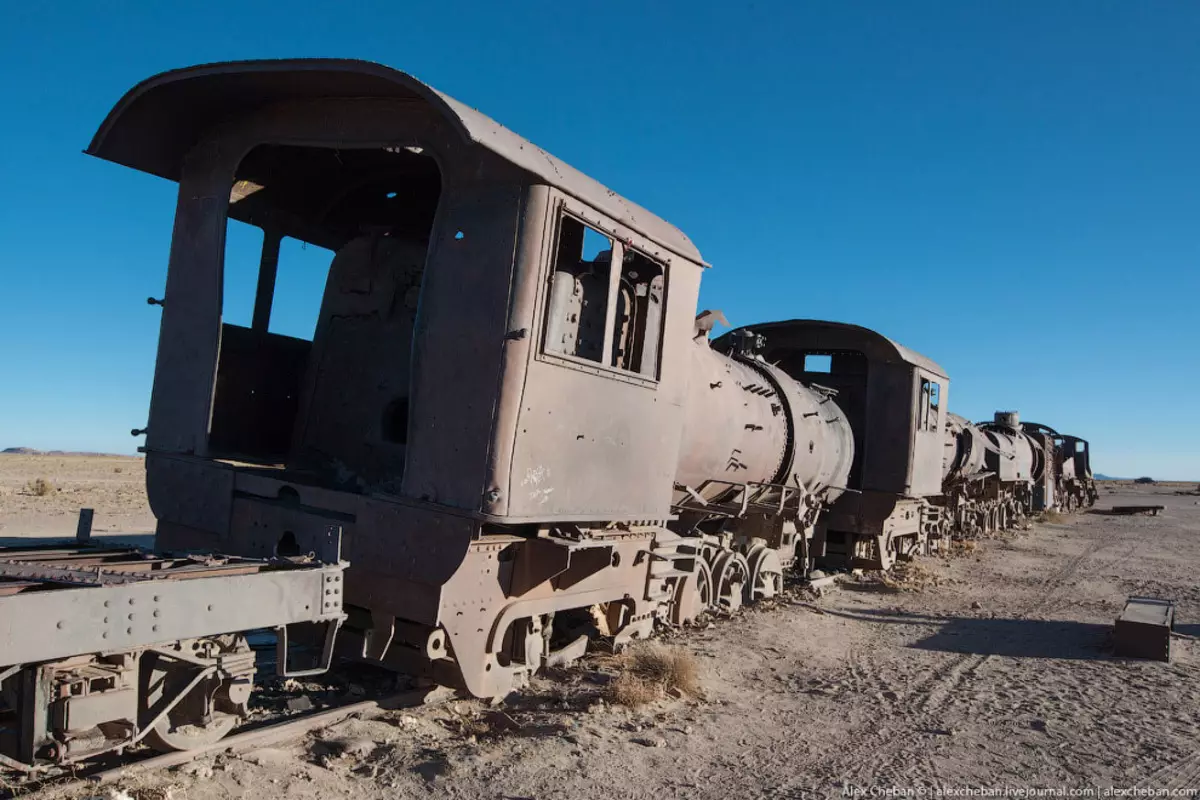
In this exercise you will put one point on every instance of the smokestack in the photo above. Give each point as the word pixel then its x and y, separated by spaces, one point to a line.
pixel 1008 419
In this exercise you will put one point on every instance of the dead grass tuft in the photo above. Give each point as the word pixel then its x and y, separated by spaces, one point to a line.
pixel 962 547
pixel 1050 517
pixel 629 690
pixel 39 487
pixel 652 671
pixel 136 789
pixel 909 576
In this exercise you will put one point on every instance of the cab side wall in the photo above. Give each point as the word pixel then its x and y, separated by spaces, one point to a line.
pixel 592 442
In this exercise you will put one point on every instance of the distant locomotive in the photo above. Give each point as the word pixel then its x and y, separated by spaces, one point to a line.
pixel 508 412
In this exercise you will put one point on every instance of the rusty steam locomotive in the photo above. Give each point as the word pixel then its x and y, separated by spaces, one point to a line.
pixel 508 413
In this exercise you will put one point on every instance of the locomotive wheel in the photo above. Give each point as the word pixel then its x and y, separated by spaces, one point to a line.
pixel 886 550
pixel 766 574
pixel 166 737
pixel 693 595
pixel 205 715
pixel 731 575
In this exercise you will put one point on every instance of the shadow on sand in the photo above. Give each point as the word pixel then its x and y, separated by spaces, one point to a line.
pixel 1018 638
pixel 145 540
pixel 1021 638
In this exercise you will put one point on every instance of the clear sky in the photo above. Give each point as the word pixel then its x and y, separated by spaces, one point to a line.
pixel 1009 188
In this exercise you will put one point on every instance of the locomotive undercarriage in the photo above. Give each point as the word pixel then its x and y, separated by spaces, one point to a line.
pixel 873 531
pixel 516 603
pixel 1077 493
pixel 982 506
pixel 108 647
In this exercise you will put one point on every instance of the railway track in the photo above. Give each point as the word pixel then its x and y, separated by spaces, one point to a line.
pixel 250 737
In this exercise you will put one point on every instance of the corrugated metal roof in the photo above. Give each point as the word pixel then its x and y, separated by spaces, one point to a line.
pixel 158 121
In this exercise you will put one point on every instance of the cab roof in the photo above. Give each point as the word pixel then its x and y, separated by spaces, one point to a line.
pixel 822 334
pixel 158 121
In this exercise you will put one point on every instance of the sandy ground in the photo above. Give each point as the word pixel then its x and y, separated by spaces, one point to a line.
pixel 987 668
pixel 113 486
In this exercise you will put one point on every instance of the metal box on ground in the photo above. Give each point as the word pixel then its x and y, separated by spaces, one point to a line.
pixel 1144 629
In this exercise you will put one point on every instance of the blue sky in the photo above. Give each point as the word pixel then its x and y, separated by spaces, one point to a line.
pixel 1010 188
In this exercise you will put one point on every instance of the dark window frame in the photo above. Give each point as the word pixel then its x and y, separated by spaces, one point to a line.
pixel 623 251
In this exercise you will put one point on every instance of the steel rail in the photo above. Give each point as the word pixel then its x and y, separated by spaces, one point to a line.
pixel 268 734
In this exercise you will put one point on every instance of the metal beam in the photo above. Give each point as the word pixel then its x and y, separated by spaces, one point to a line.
pixel 57 623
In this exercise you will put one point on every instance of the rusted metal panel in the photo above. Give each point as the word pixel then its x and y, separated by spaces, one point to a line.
pixel 749 422
pixel 1144 629
pixel 355 383
pixel 931 399
pixel 458 346
pixel 586 428
pixel 190 491
pixel 56 623
pixel 83 530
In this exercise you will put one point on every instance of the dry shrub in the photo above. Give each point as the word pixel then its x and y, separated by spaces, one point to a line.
pixel 137 790
pixel 908 576
pixel 651 671
pixel 963 547
pixel 477 727
pixel 630 690
pixel 118 470
pixel 1050 516
pixel 39 487
pixel 470 719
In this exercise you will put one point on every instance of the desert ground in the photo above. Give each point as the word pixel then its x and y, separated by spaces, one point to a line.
pixel 989 666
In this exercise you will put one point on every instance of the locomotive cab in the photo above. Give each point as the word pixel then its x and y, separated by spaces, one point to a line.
pixel 452 284
pixel 895 401
pixel 491 367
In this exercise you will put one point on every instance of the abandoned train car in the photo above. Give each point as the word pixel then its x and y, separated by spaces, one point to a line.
pixel 508 424
pixel 495 421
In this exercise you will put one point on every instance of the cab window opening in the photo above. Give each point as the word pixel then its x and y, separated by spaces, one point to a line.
pixel 818 362
pixel 579 291
pixel 324 259
pixel 591 309
pixel 928 404
pixel 639 315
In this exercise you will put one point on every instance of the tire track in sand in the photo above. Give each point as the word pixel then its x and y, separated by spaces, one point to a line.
pixel 895 753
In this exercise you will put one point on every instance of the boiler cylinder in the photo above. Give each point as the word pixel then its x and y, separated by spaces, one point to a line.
pixel 749 422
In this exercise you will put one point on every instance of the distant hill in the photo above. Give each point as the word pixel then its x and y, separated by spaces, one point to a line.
pixel 29 451
pixel 1102 477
